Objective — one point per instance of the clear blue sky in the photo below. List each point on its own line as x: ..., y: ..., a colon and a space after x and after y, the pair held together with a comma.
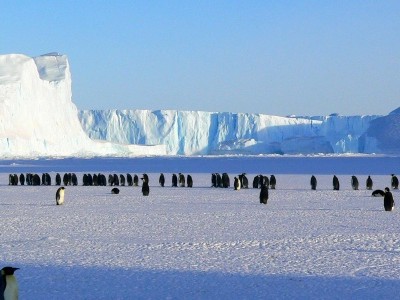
x: 273, y: 57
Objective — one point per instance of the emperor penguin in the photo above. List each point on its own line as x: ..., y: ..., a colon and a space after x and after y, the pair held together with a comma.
x: 388, y: 201
x: 145, y: 187
x: 264, y: 194
x: 313, y: 182
x: 335, y: 182
x: 354, y: 182
x: 8, y: 284
x: 60, y: 196
x: 236, y: 184
x: 369, y: 183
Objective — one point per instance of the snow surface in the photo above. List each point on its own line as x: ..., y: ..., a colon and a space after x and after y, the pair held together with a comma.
x: 203, y: 242
x: 38, y: 118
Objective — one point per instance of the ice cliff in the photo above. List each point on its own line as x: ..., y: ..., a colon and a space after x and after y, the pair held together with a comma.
x: 37, y: 116
x: 196, y: 132
x: 39, y: 119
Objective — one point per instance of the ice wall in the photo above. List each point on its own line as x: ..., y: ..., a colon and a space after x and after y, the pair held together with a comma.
x: 196, y: 132
x: 37, y: 116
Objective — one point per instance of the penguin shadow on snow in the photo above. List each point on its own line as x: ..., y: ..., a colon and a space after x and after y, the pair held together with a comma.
x: 39, y: 282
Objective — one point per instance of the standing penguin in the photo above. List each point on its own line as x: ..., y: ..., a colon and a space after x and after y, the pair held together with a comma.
x: 213, y: 180
x: 129, y: 179
x: 354, y: 182
x: 236, y: 184
x: 58, y: 179
x: 60, y: 196
x: 161, y: 180
x: 225, y: 180
x: 135, y: 180
x: 395, y: 182
x: 335, y: 182
x: 189, y: 181
x: 369, y: 183
x: 145, y: 187
x: 181, y: 179
x: 272, y: 181
x: 313, y: 183
x: 264, y: 194
x: 8, y: 284
x: 388, y: 201
x: 174, y: 180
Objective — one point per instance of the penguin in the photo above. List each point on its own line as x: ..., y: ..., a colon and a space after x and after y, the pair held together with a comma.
x: 145, y: 187
x: 43, y: 179
x: 135, y: 180
x: 189, y: 181
x: 313, y: 182
x: 219, y: 180
x: 174, y: 180
x: 95, y: 180
x: 225, y: 180
x: 161, y: 180
x: 395, y: 182
x: 122, y: 179
x: 29, y: 178
x: 182, y: 180
x: 272, y: 182
x: 236, y: 184
x: 65, y: 179
x: 74, y: 179
x: 369, y: 183
x: 264, y: 194
x: 60, y: 196
x: 354, y: 182
x: 265, y: 181
x: 115, y: 191
x: 244, y: 181
x: 10, y: 179
x: 213, y: 180
x: 260, y: 181
x: 146, y: 177
x: 36, y: 179
x: 256, y: 181
x: 22, y: 179
x: 89, y: 177
x: 378, y: 193
x: 388, y: 201
x: 58, y: 179
x: 335, y: 182
x: 85, y: 180
x: 116, y: 179
x: 69, y: 176
x: 129, y: 179
x: 8, y: 284
x: 110, y: 180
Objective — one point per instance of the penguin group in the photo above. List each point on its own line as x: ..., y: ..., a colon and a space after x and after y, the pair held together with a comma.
x: 260, y: 181
x: 220, y: 181
x: 178, y: 180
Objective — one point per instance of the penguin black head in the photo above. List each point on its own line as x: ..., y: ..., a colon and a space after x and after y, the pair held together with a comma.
x: 8, y: 270
x: 387, y: 189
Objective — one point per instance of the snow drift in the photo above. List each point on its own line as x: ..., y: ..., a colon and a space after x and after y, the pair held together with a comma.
x: 37, y: 116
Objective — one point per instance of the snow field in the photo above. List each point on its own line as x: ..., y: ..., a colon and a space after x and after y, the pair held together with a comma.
x: 202, y: 242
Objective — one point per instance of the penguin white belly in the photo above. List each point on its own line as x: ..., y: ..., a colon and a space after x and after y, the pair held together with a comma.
x: 11, y: 291
x: 60, y: 199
